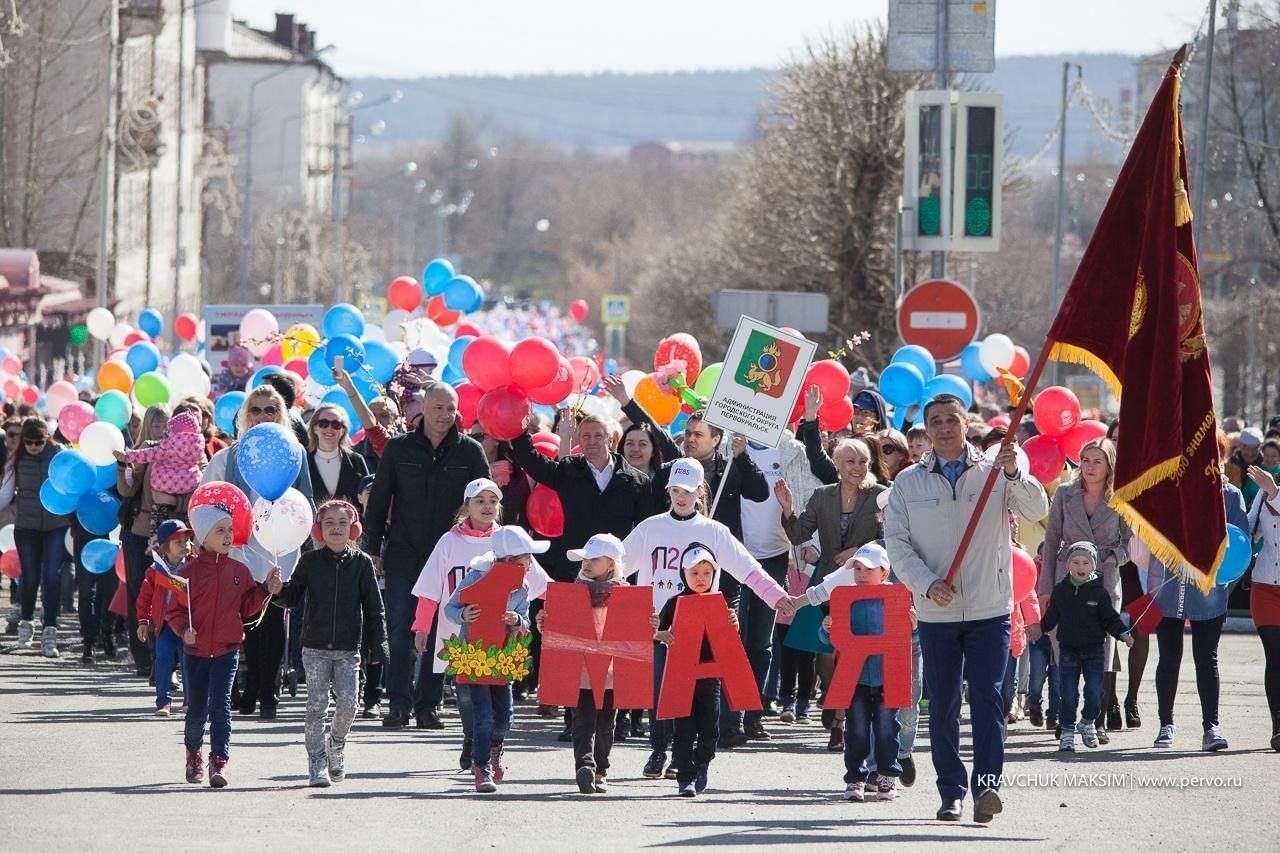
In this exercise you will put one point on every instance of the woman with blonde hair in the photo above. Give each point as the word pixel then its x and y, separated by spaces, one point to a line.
pixel 335 468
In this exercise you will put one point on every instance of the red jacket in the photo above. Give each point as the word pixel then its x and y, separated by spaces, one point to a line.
pixel 154 599
pixel 223 595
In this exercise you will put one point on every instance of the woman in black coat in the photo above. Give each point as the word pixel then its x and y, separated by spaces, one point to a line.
pixel 336 469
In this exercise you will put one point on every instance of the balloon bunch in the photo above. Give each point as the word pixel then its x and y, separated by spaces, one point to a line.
pixel 79 484
pixel 270 460
pixel 678 384
pixel 982 361
pixel 912 379
pixel 10 566
pixel 14 381
pixel 443 296
pixel 1062 433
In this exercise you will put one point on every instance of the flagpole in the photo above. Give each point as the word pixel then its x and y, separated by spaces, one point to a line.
pixel 1032 380
pixel 724 478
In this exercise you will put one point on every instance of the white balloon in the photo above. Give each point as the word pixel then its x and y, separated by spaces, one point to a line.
pixel 1024 463
pixel 200 332
pixel 398 347
pixel 282 525
pixel 58 396
pixel 119 333
pixel 374 333
pixel 114 535
pixel 996 352
pixel 631 379
pixel 393 324
pixel 594 406
pixel 99 441
pixel 100 322
pixel 187 377
pixel 6 538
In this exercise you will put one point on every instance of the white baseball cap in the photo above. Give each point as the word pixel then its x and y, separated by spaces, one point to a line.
pixel 872 555
pixel 481 484
pixel 421 357
pixel 696 553
pixel 686 474
pixel 882 499
pixel 600 545
pixel 511 541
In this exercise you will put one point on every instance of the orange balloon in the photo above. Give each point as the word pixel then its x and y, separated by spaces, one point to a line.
pixel 115 375
pixel 661 406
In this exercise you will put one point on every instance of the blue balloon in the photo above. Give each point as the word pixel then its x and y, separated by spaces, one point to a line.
pixel 380 360
pixel 99 555
pixel 971 364
pixel 151 321
pixel 678 422
pixel 453 377
pixel 338 397
pixel 367 387
pixel 1236 561
pixel 55 501
pixel 947 384
pixel 610 366
pixel 71 472
pixel 346 347
pixel 918 356
pixel 97 512
pixel 270 459
pixel 463 294
pixel 901 384
pixel 142 357
pixel 456 349
pixel 343 319
pixel 318 368
pixel 260 375
pixel 436 275
pixel 225 410
pixel 105 477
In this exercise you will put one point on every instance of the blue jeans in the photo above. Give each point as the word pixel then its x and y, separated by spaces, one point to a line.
pixel 1072 663
pixel 870 729
pixel 209 699
pixel 1043 669
pixel 400 604
pixel 168 655
pixel 909 718
pixel 660 731
pixel 489 707
pixel 41 555
pixel 975 652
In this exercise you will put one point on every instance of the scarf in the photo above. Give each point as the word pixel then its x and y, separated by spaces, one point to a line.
pixel 600 590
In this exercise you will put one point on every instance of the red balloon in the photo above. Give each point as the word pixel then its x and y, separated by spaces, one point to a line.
pixel 1080 435
pixel 1144 613
pixel 830 376
pixel 578 309
pixel 1024 574
pixel 439 314
pixel 404 293
pixel 465 329
pixel 9 565
pixel 534 362
pixel 30 395
pixel 228 497
pixel 298 366
pixel 543 509
pixel 835 414
pixel 548 444
pixel 187 325
pixel 12 388
pixel 487 362
pixel 469 396
pixel 1046 458
pixel 504 412
pixel 1057 410
pixel 120 566
pixel 1021 362
pixel 681 346
pixel 585 373
pixel 1001 421
pixel 558 389
pixel 136 337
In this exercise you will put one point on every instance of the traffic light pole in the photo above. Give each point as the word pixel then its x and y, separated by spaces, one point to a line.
pixel 1059 210
pixel 938 260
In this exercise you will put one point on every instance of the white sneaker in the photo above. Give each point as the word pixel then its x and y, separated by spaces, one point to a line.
pixel 26 633
pixel 1164 740
pixel 49 642
pixel 853 792
pixel 1089 734
pixel 1068 742
pixel 162 711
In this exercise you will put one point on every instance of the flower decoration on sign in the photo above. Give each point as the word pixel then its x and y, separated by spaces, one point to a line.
pixel 511 660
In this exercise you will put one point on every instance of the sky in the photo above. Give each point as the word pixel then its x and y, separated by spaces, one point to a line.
pixel 411 38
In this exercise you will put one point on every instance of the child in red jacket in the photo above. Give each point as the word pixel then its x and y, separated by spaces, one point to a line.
pixel 161 586
pixel 222 593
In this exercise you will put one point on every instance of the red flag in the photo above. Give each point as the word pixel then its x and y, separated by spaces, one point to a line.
pixel 1132 315
pixel 175 584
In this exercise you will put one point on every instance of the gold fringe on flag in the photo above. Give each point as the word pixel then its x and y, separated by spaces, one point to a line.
pixel 1072 354
pixel 1165 551
pixel 1181 200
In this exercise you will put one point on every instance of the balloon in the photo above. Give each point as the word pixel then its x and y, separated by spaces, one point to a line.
pixel 919 357
pixel 260 375
pixel 270 459
pixel 504 412
pixel 120 569
pixel 258 329
pixel 1046 458
pixel 272 356
pixel 282 525
pixel 487 362
pixel 468 402
pixel 71 473
pixel 136 337
pixel 231 499
pixel 1001 421
pixel 439 313
pixel 1021 362
pixel 10 566
pixel 1078 436
pixel 343 319
pixel 74 417
pixel 830 376
pixel 225 410
pixel 120 335
pixel 186 325
pixel 187 377
pixel 346 347
pixel 707 379
pixel 100 323
pixel 681 346
pixel 104 477
pixel 632 378
pixel 6 538
pixel 404 293
pixel 557 390
pixel 58 395
pixel 115 376
pixel 393 324
pixel 151 321
pixel 544 511
pixel 300 340
pixel 56 502
pixel 463 294
pixel 534 362
pixel 31 395
pixel 318 368
pixel 436 276
pixel 1237 558
pixel 114 408
pixel 97 512
pixel 151 388
pixel 456 349
pixel 298 367
pixel 548 444
pixel 1057 410
pixel 99 441
pixel 659 405
pixel 835 414
pixel 1024 463
pixel 902 384
pixel 947 383
pixel 99 555
pixel 1024 574
pixel 578 310
pixel 12 365
pixel 1144 614
pixel 380 360
pixel 971 364
pixel 470 329
pixel 995 352
pixel 585 373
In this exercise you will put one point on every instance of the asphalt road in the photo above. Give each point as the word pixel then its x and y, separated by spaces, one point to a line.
pixel 84 766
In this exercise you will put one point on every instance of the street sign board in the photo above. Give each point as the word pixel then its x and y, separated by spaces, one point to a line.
pixel 615 309
pixel 939 315
pixel 222 324
pixel 970 43
pixel 804 312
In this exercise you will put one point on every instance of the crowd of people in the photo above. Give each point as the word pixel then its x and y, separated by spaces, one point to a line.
pixel 411 509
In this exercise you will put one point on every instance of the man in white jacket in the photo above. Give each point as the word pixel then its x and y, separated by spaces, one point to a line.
pixel 964 628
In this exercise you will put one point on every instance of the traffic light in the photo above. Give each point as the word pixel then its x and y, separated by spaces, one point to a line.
pixel 927 170
pixel 979 170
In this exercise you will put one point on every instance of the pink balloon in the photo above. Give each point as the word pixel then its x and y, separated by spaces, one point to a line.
pixel 585 373
pixel 1057 410
pixel 257 329
pixel 30 395
pixel 74 417
pixel 272 356
pixel 1024 574
pixel 12 365
pixel 1080 435
pixel 1046 458
pixel 59 395
pixel 298 366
